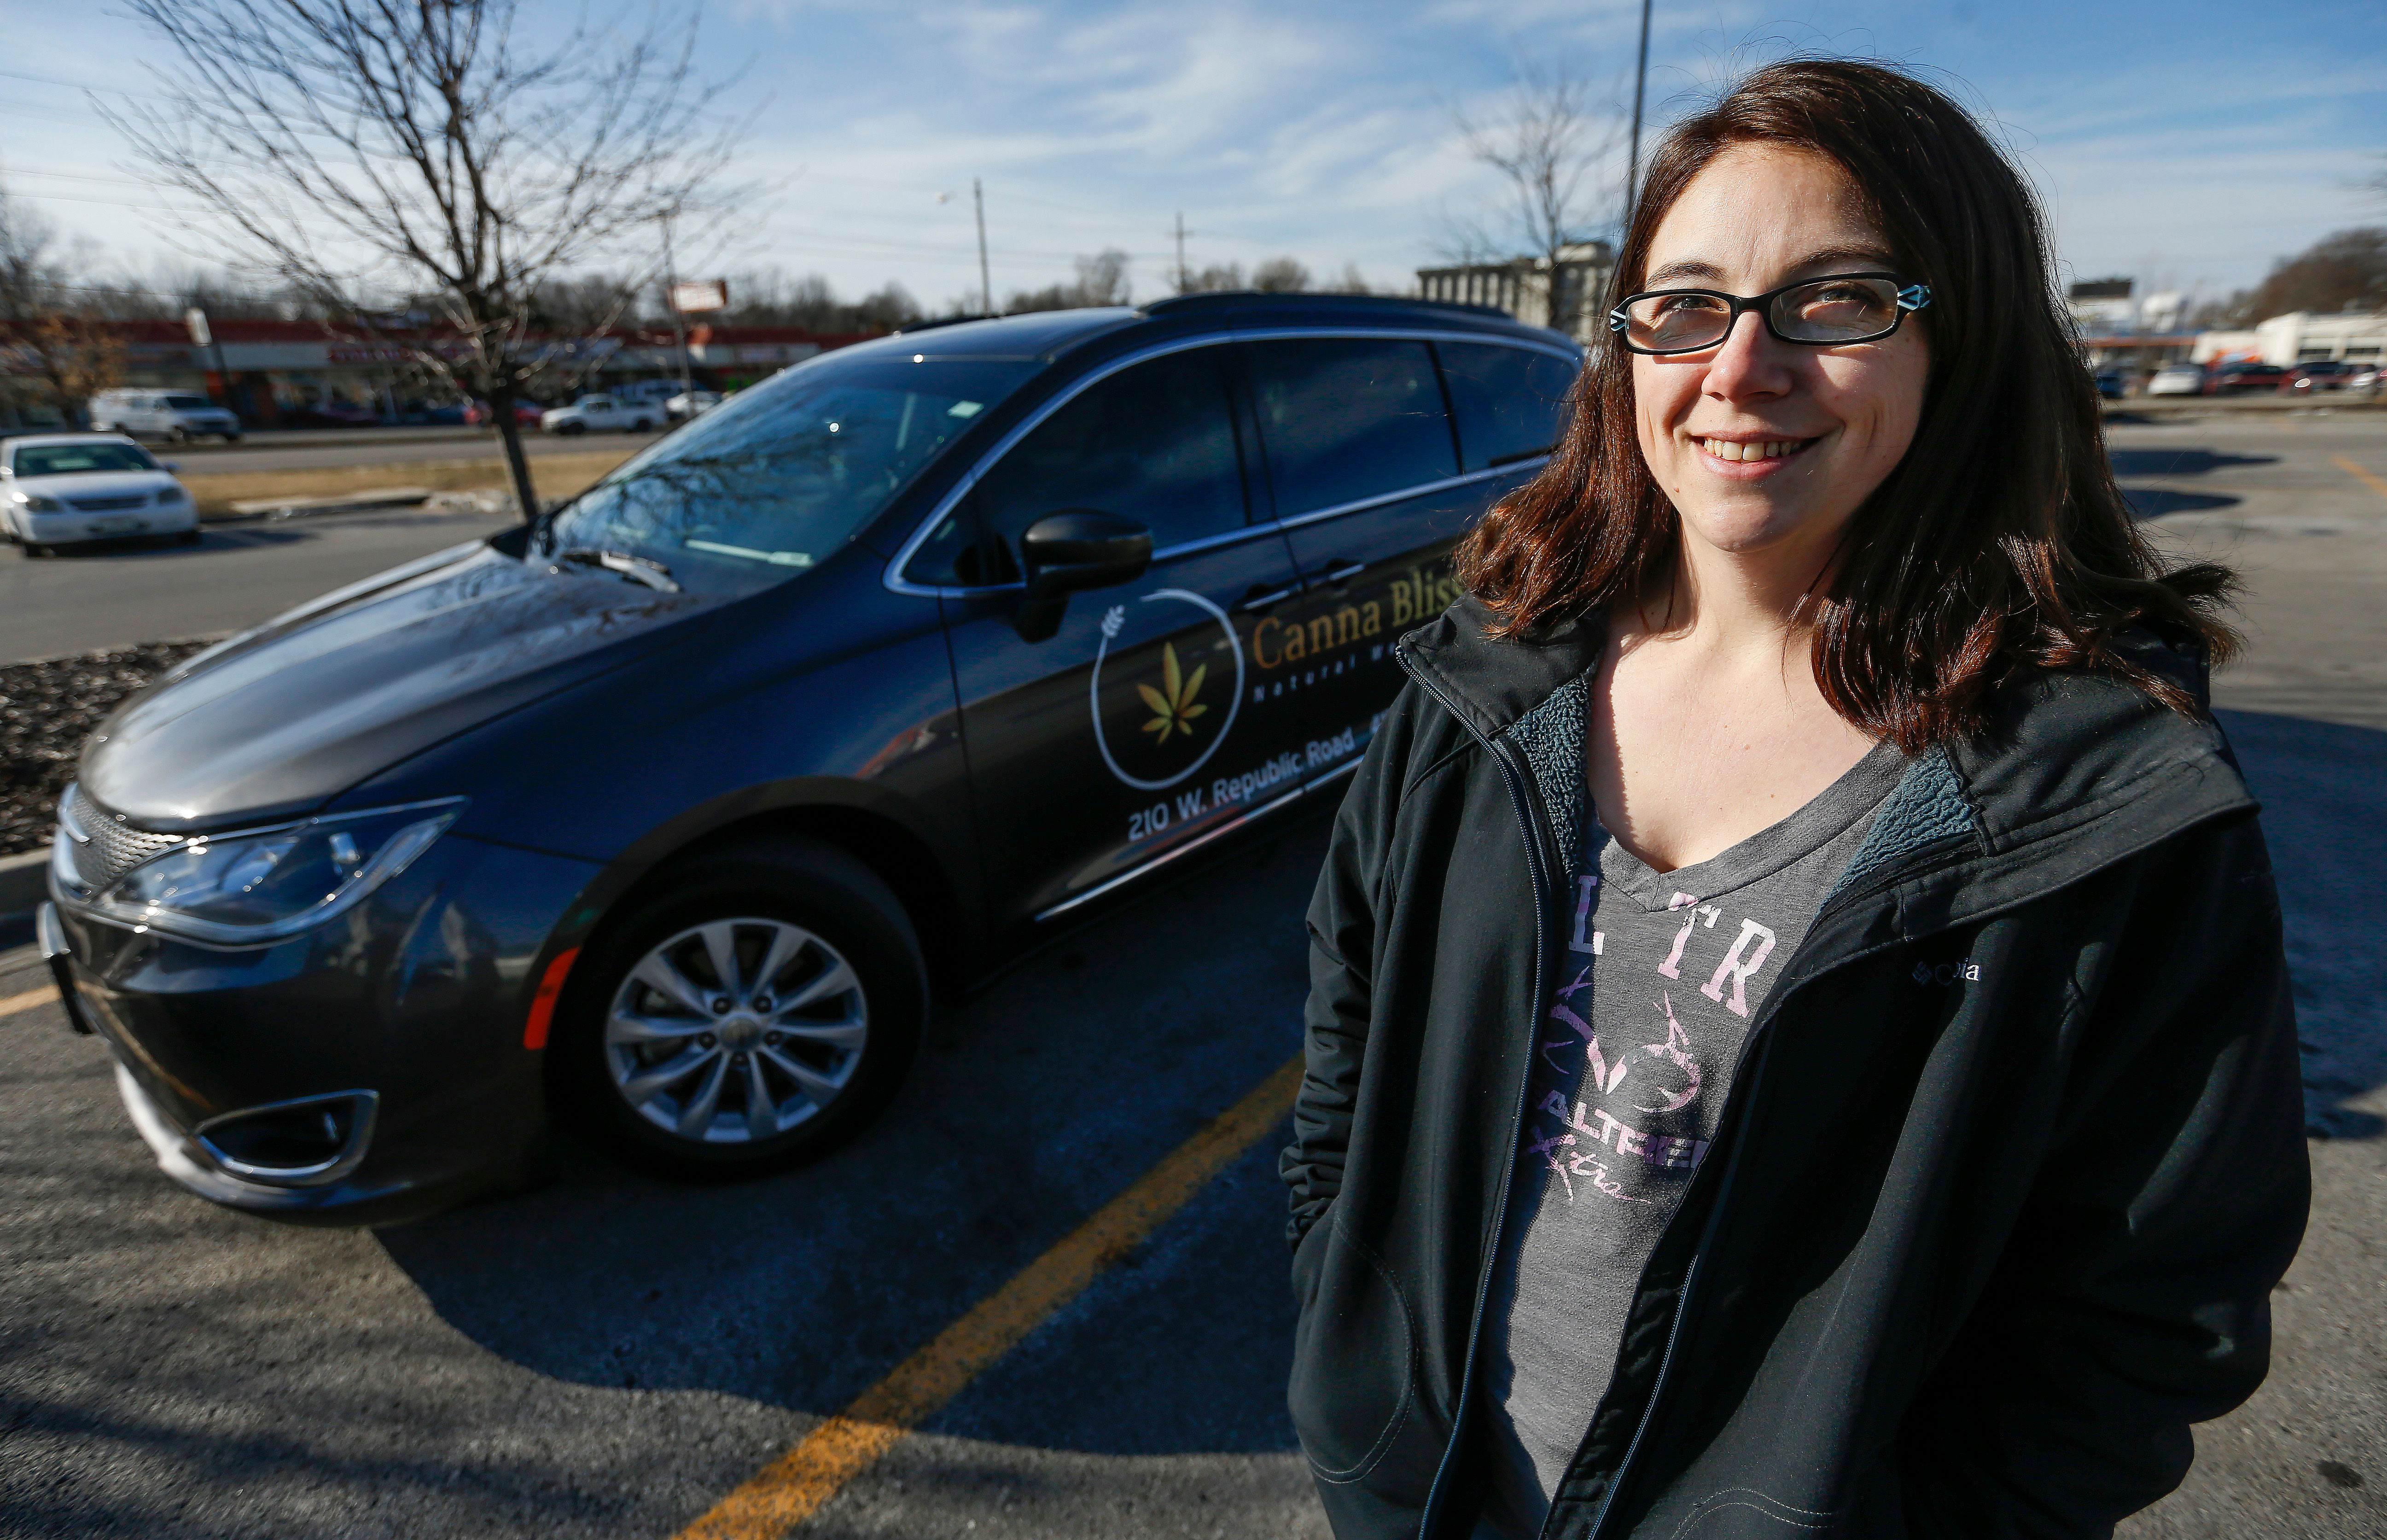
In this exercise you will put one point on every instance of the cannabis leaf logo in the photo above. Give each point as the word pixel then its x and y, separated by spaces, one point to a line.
pixel 1174 711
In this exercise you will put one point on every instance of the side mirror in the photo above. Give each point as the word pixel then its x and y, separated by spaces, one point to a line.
pixel 172 467
pixel 1070 550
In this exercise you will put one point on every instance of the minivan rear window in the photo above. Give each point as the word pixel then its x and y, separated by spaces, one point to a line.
pixel 1346 418
pixel 776 478
pixel 1510 401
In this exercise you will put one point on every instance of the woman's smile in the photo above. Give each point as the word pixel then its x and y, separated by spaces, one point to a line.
pixel 1738 457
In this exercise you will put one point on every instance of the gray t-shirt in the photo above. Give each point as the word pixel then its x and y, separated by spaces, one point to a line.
pixel 1664 972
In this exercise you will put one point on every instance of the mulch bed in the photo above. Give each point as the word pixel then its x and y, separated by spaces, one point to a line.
pixel 46 711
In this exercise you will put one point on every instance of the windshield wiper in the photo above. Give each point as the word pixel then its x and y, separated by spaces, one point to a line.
pixel 639 569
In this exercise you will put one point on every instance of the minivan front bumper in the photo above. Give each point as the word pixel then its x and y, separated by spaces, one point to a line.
pixel 392 1037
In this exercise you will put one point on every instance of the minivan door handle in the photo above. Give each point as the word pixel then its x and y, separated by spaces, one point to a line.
pixel 1337 572
pixel 1259 598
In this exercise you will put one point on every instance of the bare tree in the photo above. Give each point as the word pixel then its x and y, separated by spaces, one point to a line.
pixel 1218 278
pixel 1281 275
pixel 361 148
pixel 1551 136
pixel 1102 280
pixel 54 326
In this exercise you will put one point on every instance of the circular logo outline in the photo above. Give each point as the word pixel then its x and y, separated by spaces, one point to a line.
pixel 1094 686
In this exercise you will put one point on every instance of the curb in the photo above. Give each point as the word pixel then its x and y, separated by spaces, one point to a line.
pixel 24 882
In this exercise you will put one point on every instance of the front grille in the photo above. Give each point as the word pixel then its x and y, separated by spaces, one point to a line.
pixel 108 505
pixel 105 846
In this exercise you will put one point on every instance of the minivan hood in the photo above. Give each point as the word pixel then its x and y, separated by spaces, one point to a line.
pixel 276 722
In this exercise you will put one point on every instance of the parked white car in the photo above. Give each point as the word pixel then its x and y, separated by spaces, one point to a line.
pixel 177 416
pixel 694 403
pixel 2178 379
pixel 649 391
pixel 68 488
pixel 602 412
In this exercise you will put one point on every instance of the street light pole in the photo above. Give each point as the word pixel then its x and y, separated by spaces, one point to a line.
pixel 985 282
pixel 1640 83
pixel 679 322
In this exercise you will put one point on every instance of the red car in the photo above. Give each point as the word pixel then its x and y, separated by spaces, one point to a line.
pixel 2241 379
pixel 2310 379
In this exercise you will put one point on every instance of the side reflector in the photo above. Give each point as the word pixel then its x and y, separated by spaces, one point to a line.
pixel 542 1005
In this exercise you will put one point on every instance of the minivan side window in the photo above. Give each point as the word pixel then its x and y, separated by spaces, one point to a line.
pixel 1510 401
pixel 1154 443
pixel 1345 419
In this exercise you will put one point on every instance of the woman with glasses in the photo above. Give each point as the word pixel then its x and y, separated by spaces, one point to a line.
pixel 1798 1039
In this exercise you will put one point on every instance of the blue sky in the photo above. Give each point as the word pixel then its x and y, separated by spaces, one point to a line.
pixel 2187 143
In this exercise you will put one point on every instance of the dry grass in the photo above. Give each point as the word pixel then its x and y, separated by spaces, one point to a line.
pixel 557 476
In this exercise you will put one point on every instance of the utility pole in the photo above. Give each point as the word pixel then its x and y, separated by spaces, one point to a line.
pixel 679 322
pixel 1181 279
pixel 985 282
pixel 1640 83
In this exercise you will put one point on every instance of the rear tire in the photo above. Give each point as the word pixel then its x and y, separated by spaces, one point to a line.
pixel 189 537
pixel 665 1063
pixel 643 425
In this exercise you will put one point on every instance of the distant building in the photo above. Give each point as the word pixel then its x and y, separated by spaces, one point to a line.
pixel 2103 307
pixel 1523 288
pixel 2299 337
pixel 275 371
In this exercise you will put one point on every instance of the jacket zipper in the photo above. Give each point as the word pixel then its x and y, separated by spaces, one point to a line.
pixel 1534 857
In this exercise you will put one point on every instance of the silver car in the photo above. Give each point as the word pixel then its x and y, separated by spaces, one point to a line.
pixel 177 416
pixel 73 488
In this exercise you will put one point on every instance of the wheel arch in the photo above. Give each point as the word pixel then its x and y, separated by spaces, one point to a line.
pixel 841 815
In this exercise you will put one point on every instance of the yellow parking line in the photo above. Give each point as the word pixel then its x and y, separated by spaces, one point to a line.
pixel 796 1485
pixel 2359 474
pixel 26 1001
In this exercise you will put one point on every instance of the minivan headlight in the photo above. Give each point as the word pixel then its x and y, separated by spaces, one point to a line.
pixel 250 887
pixel 34 502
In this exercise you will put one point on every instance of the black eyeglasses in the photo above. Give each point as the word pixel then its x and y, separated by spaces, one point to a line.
pixel 1815 312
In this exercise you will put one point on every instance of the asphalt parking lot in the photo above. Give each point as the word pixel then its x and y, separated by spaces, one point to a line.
pixel 610 1355
pixel 236 576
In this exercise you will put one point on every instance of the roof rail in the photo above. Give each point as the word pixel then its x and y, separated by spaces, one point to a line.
pixel 910 327
pixel 1238 298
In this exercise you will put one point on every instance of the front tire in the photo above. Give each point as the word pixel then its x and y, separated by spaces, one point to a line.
pixel 757 1010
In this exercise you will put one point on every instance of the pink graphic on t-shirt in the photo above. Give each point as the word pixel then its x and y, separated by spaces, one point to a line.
pixel 1738 971
pixel 1677 1048
pixel 1602 1076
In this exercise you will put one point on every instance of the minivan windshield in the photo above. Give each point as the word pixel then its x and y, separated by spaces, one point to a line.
pixel 779 475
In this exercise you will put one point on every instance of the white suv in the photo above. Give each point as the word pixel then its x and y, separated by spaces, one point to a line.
pixel 66 488
pixel 600 412
pixel 177 415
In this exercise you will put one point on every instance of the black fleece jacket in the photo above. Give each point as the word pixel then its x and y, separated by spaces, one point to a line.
pixel 2013 1158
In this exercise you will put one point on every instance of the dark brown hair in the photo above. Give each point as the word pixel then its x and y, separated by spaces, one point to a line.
pixel 2000 539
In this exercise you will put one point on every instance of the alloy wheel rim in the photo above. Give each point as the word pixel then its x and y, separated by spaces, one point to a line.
pixel 736 1031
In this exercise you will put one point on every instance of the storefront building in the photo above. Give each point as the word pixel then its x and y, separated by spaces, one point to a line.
pixel 291 373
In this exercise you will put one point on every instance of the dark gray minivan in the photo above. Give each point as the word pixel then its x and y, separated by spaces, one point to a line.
pixel 664 815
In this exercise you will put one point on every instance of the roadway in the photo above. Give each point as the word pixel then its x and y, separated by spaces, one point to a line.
pixel 334 449
pixel 236 576
pixel 610 1355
